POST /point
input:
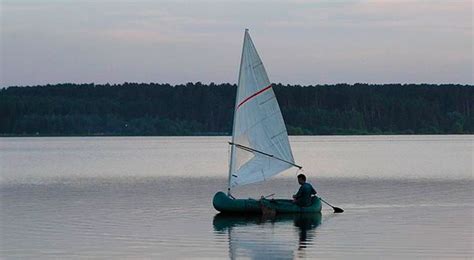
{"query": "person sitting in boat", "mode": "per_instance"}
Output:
(303, 197)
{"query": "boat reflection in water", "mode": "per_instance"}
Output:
(267, 237)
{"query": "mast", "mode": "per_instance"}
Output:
(232, 147)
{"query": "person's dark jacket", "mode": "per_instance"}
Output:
(303, 196)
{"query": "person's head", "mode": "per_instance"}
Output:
(301, 179)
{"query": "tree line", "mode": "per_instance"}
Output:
(207, 109)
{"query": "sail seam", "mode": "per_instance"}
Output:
(256, 123)
(254, 95)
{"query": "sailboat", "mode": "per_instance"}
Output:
(260, 148)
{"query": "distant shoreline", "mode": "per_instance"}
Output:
(196, 109)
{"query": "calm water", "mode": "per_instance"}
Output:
(149, 197)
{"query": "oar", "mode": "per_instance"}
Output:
(336, 209)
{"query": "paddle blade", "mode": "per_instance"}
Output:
(337, 210)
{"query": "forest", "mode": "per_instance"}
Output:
(207, 109)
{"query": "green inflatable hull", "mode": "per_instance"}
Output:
(225, 204)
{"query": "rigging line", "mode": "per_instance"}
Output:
(260, 152)
(297, 171)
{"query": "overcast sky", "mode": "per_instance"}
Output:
(299, 41)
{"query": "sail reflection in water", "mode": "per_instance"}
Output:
(263, 237)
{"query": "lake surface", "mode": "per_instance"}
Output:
(150, 197)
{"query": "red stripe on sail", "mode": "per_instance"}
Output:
(254, 95)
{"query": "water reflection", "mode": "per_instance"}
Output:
(267, 237)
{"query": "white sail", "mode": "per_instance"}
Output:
(258, 124)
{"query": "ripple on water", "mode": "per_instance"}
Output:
(173, 218)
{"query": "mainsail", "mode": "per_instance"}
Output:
(260, 146)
